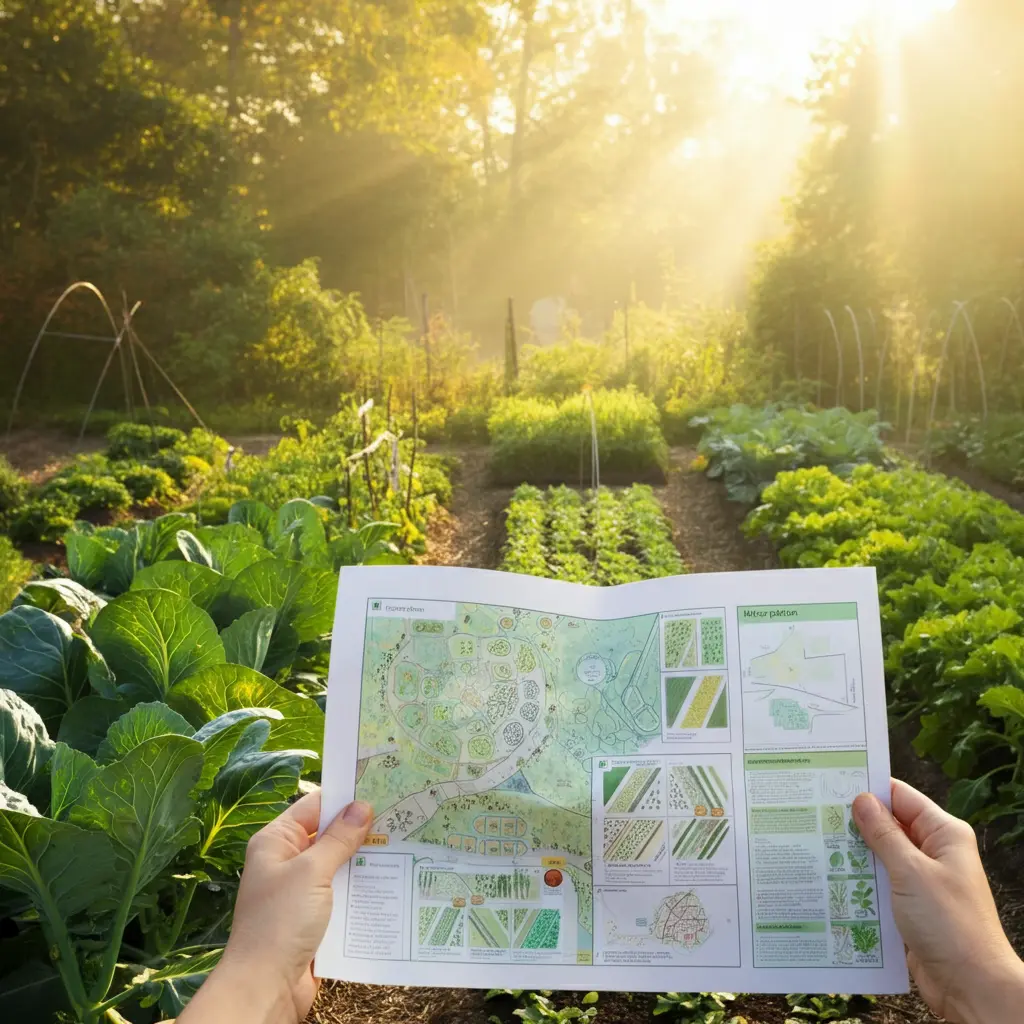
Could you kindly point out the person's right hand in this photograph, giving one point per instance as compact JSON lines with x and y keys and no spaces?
{"x":957,"y":950}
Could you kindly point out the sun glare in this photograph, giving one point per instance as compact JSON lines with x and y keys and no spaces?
{"x":778,"y":37}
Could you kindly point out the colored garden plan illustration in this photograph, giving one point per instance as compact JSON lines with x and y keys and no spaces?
{"x":476,"y":733}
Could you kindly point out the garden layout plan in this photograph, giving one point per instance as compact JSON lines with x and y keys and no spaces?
{"x":645,"y":787}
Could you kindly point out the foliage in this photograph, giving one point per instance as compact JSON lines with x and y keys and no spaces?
{"x":826,"y":1007}
{"x":540,"y":1007}
{"x":602,"y":538}
{"x":177,"y":663}
{"x":949,"y":563}
{"x":547,"y":442}
{"x":698,"y":1007}
{"x":995,"y":446}
{"x":13,"y":490}
{"x":748,"y":447}
{"x":14,"y":572}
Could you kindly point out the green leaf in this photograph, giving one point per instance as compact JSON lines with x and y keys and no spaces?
{"x":70,"y":772}
{"x":42,"y":661}
{"x":1004,"y":702}
{"x":247,"y":639}
{"x":225,"y":688}
{"x":142,"y":722}
{"x":153,"y":639}
{"x":590,"y":997}
{"x":231,"y":558}
{"x":87,"y":721}
{"x":25,"y":745}
{"x":34,"y":992}
{"x":220,"y":737}
{"x":176,"y":983}
{"x":250,"y":790}
{"x":87,"y":558}
{"x":66,"y":599}
{"x":12,"y":800}
{"x":254,"y":514}
{"x":298,"y":532}
{"x":193,"y":550}
{"x":196,"y":583}
{"x":144,"y":804}
{"x":61,"y":868}
{"x":968,"y":796}
{"x":235,"y":533}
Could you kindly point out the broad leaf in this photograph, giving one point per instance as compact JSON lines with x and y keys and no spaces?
{"x":60,"y":867}
{"x":64,"y":598}
{"x":968,"y":796}
{"x":153,"y":639}
{"x":87,"y":558}
{"x":87,"y":721}
{"x":141,"y":723}
{"x":144,"y":804}
{"x":1005,"y":702}
{"x":34,"y":992}
{"x":196,"y":583}
{"x":299,"y":532}
{"x":236,"y":533}
{"x":158,"y":538}
{"x":254,"y":514}
{"x":225,"y":688}
{"x":25,"y":745}
{"x":304,"y":599}
{"x":120,"y":568}
{"x":174,"y":985}
{"x":247,"y":639}
{"x":42,"y":661}
{"x":70,"y":772}
{"x":12,"y":800}
{"x":231,"y":557}
{"x":193,"y":550}
{"x":251,"y":790}
{"x":220,"y":737}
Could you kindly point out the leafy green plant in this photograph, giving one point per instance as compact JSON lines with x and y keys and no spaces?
{"x":541,"y":441}
{"x":538,"y":1006}
{"x":748,"y":447}
{"x":698,"y":1007}
{"x":13,"y":490}
{"x":14,"y":572}
{"x":832,"y":1007}
{"x":601,"y":537}
{"x":865,"y":938}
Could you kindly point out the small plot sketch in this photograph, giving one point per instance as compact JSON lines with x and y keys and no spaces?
{"x":842,"y":944}
{"x":679,"y":920}
{"x":448,"y":929}
{"x":536,"y":929}
{"x":680,"y":643}
{"x":696,"y":702}
{"x":427,"y":917}
{"x":698,"y":838}
{"x":712,"y":641}
{"x":838,"y":901}
{"x":634,"y":840}
{"x":697,"y":789}
{"x":488,"y":929}
{"x":629,"y":790}
{"x":801,"y":681}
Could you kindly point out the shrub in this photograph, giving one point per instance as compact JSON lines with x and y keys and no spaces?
{"x":13,"y":490}
{"x":146,"y":483}
{"x":547,"y":442}
{"x":140,"y":440}
{"x":91,"y":493}
{"x":43,"y":519}
{"x":14,"y":573}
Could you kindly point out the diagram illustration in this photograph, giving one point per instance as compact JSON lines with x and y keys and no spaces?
{"x":629,"y":790}
{"x":801,"y":680}
{"x":695,"y":702}
{"x":694,"y":641}
{"x":678,"y":920}
{"x":639,"y":840}
{"x":697,"y":789}
{"x":698,"y":838}
{"x":843,"y":784}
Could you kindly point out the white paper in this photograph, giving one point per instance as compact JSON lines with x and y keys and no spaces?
{"x":639,"y":788}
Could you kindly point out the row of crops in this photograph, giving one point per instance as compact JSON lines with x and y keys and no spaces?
{"x":182,"y":639}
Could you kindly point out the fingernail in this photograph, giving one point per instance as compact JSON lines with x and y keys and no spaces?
{"x":357,"y":813}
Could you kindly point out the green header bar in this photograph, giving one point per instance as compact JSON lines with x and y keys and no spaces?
{"x":800,"y":761}
{"x":839,"y":611}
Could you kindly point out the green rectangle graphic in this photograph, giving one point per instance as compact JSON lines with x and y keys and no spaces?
{"x":834,"y":612}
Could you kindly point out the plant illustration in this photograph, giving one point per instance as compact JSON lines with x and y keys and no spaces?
{"x":858,"y":861}
{"x":861,"y":898}
{"x":836,"y":861}
{"x":865,"y":938}
{"x":838,"y":905}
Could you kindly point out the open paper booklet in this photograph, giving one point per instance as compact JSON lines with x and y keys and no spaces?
{"x":643,"y":787}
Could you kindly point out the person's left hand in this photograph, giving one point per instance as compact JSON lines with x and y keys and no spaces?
{"x":284,"y":904}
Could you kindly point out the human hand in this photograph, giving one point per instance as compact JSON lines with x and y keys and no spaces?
{"x":957,"y":950}
{"x":283,"y":906}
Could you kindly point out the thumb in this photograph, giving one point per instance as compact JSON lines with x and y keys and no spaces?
{"x":883,"y":833}
{"x":340,"y":840}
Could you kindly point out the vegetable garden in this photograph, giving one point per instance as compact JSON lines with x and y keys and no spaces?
{"x":175,"y":543}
